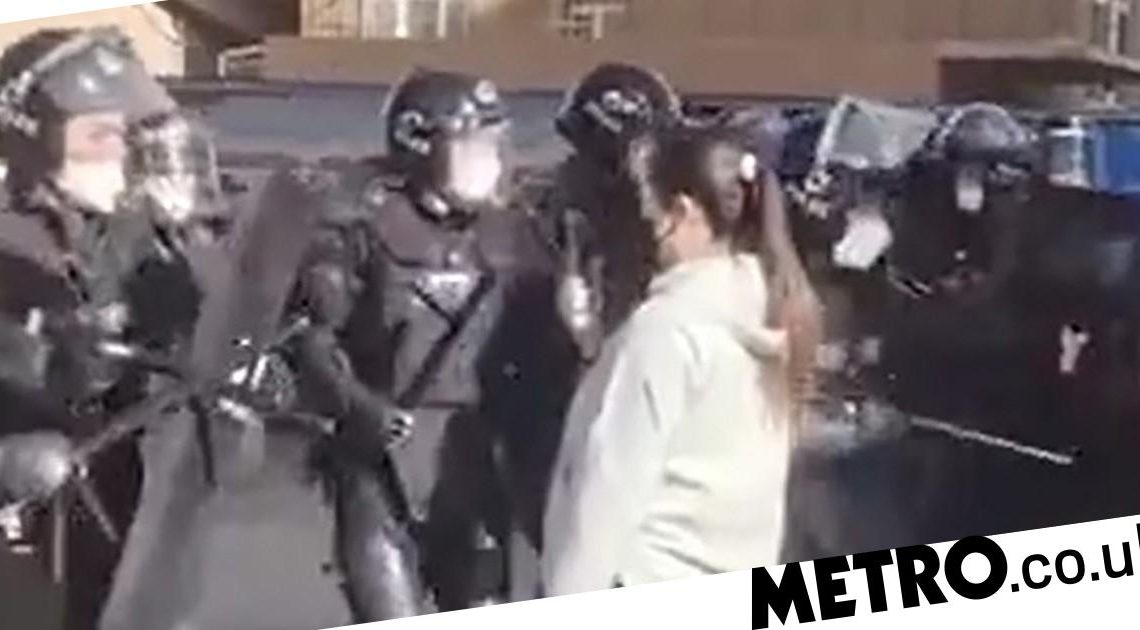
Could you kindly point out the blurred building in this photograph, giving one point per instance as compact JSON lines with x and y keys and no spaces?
{"x":180,"y":37}
{"x":1055,"y":51}
{"x":156,"y":33}
{"x":898,"y":49}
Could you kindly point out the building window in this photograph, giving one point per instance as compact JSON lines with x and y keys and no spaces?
{"x":1111,"y":25}
{"x":414,"y":19}
{"x":587,"y":19}
{"x":330,"y":18}
{"x":1123,"y":44}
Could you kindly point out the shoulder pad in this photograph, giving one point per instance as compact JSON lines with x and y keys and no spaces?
{"x":32,"y":270}
{"x":25,"y":236}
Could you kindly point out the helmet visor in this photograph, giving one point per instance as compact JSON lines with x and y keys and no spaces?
{"x":173,"y":161}
{"x":93,"y":74}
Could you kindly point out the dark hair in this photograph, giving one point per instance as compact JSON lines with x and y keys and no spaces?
{"x":744,"y":205}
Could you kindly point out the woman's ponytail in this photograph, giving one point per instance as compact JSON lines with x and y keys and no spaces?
{"x":792,"y":304}
{"x":742,"y":203}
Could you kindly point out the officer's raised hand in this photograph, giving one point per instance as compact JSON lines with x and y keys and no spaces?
{"x":576,"y":301}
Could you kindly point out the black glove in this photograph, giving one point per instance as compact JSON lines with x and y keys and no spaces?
{"x":33,"y":465}
{"x":367,"y":417}
{"x":376,"y":420}
{"x":164,"y":298}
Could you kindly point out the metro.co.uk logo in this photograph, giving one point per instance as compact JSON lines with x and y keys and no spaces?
{"x":916,"y":569}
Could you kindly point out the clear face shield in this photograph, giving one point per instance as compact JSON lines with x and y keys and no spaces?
{"x":173,"y":163}
{"x":475,"y":163}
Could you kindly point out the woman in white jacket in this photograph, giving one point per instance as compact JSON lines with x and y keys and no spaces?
{"x":675,"y":455}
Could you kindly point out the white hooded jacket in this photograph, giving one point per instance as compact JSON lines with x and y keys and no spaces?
{"x":674,"y":460}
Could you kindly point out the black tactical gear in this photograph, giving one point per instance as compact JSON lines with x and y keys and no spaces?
{"x":446,"y":324}
{"x":89,"y":283}
{"x":590,"y":206}
{"x":70,"y":275}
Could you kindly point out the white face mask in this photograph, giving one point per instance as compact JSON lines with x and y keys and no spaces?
{"x":867,"y":237}
{"x":97,"y":184}
{"x":970,"y":189}
{"x":476,"y":168}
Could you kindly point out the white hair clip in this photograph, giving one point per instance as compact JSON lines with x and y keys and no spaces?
{"x":749,"y":168}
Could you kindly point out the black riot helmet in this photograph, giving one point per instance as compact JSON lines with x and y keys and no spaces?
{"x":989,"y":147}
{"x":613,"y":104}
{"x":985,"y":133}
{"x":54,"y":74}
{"x":445,"y":134}
{"x":173,"y":164}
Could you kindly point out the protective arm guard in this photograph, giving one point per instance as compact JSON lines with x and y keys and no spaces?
{"x":328,"y":291}
{"x":374,"y":549}
{"x":370,"y":423}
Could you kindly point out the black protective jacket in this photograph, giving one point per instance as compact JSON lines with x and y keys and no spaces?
{"x":70,"y":279}
{"x":433,"y":315}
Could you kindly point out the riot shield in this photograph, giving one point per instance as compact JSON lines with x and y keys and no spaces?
{"x":161,"y":576}
{"x":867,"y":135}
{"x":265,"y":254}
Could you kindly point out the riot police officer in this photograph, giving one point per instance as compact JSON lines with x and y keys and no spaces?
{"x":435,"y":344}
{"x":66,"y":100}
{"x":593,"y":202}
{"x":588,"y":209}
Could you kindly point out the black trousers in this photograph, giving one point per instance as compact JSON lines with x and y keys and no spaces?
{"x":90,"y":557}
{"x":424,"y":529}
